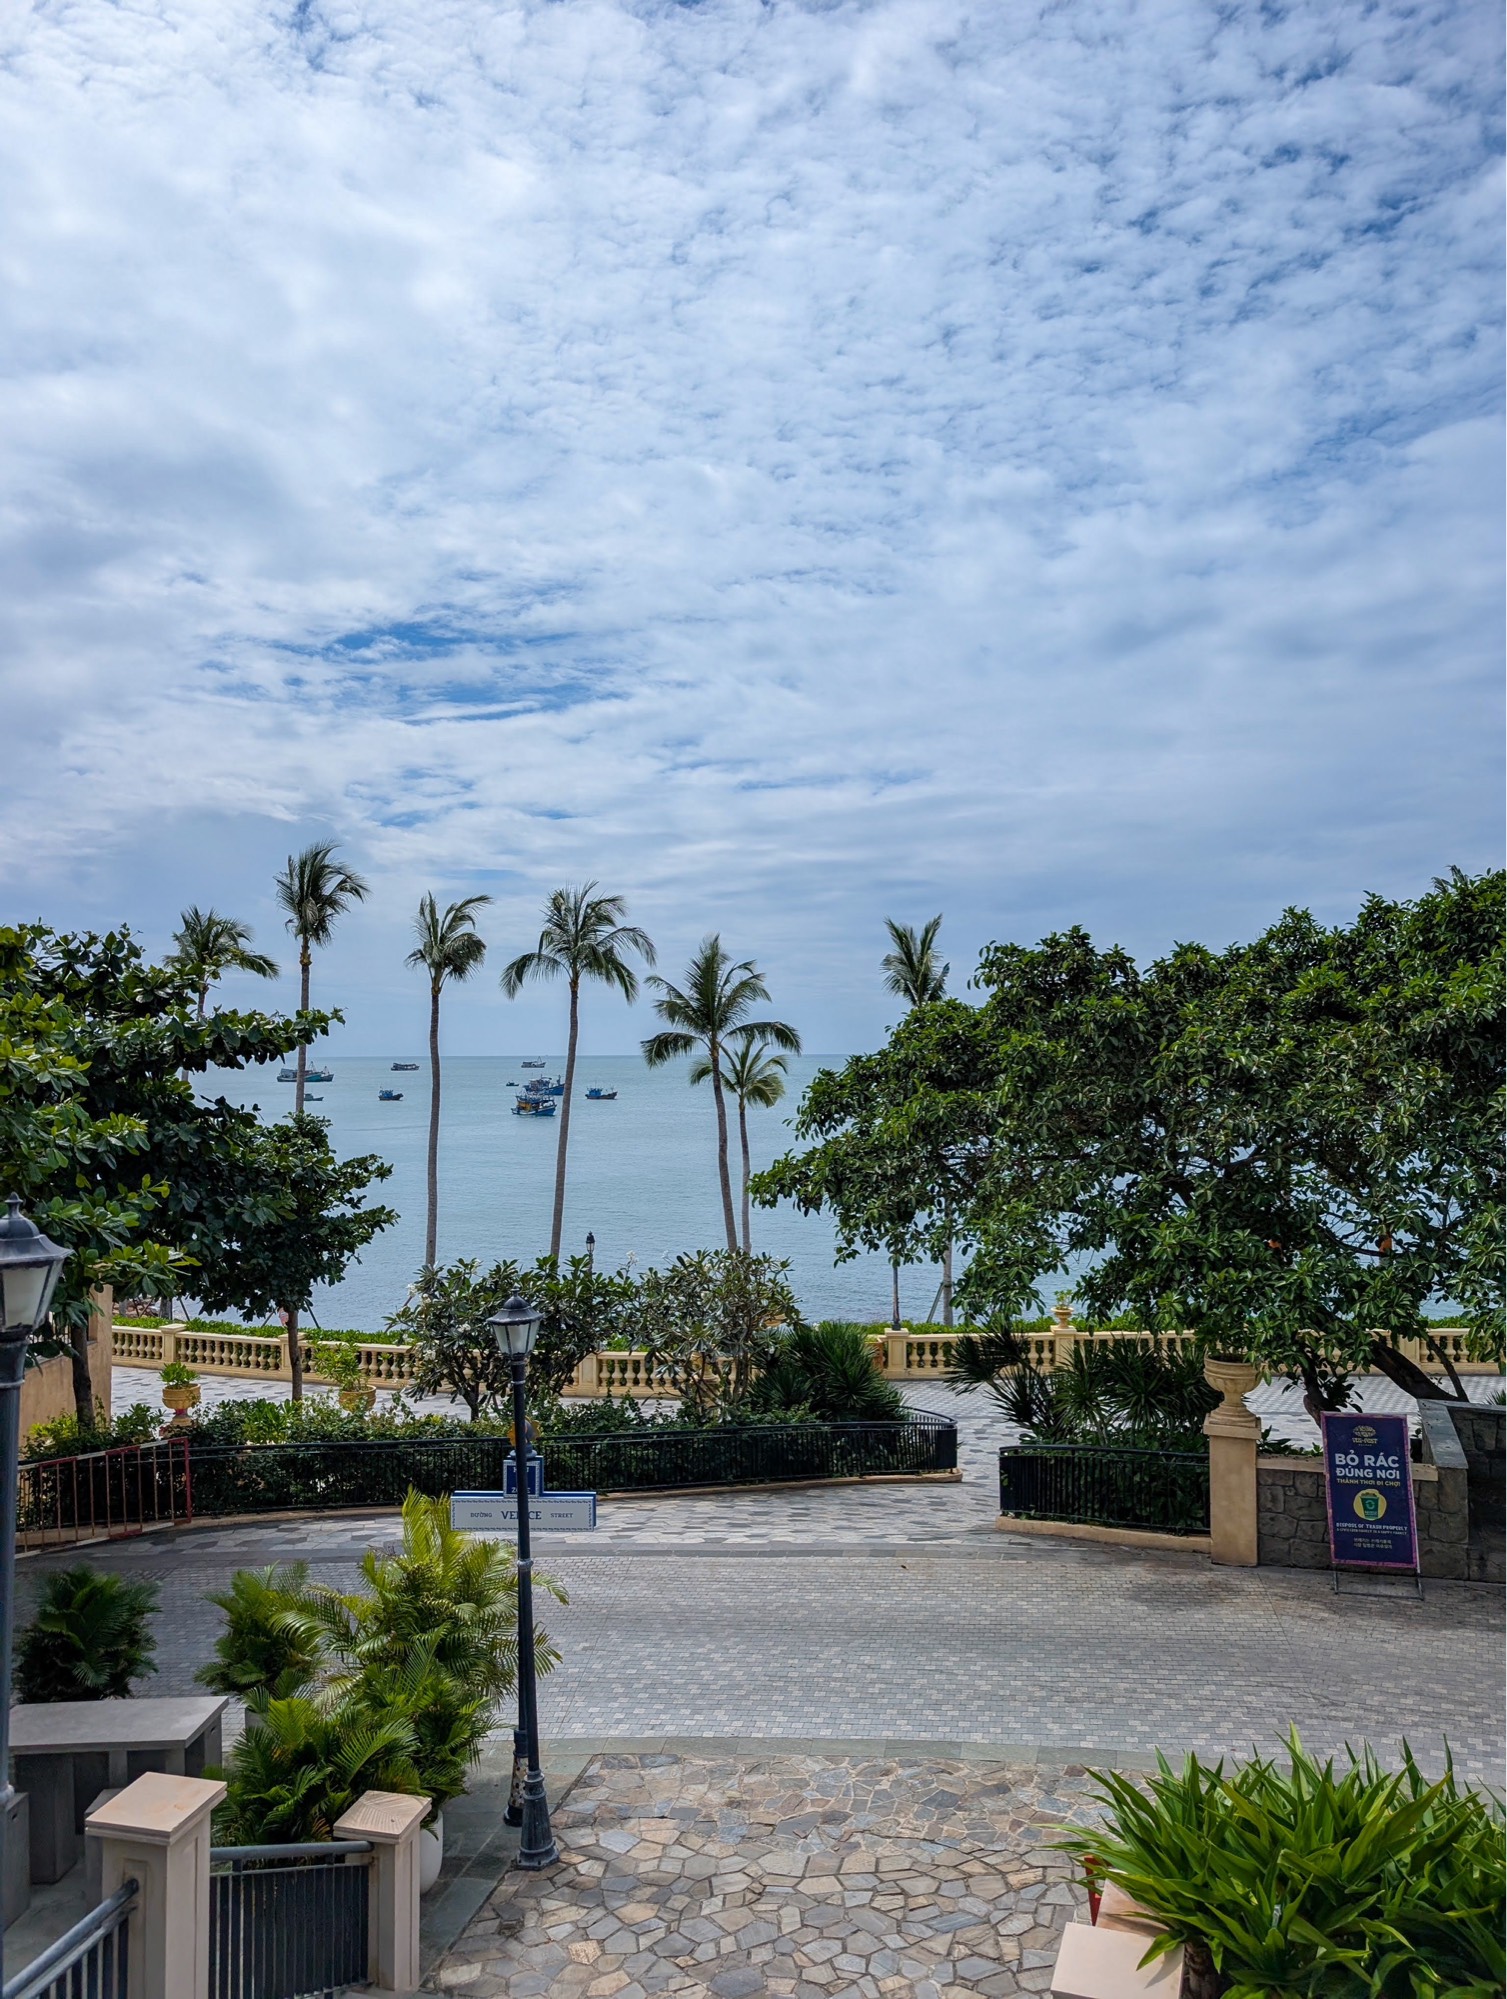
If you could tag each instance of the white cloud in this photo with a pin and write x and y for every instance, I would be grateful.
(798, 463)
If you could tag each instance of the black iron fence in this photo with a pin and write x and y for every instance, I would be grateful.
(86, 1962)
(1167, 1491)
(287, 1922)
(102, 1494)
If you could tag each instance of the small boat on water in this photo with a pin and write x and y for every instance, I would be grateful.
(319, 1076)
(312, 1100)
(405, 1065)
(555, 1089)
(534, 1106)
(388, 1096)
(534, 1062)
(602, 1096)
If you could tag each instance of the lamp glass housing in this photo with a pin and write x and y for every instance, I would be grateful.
(29, 1268)
(515, 1327)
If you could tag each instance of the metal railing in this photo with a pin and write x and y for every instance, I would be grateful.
(1114, 1486)
(103, 1495)
(286, 1922)
(86, 1962)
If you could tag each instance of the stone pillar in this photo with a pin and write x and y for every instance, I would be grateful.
(391, 1822)
(1063, 1336)
(1234, 1436)
(894, 1354)
(157, 1832)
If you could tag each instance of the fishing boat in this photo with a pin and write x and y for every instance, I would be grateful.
(388, 1096)
(529, 1105)
(534, 1062)
(287, 1075)
(405, 1065)
(319, 1076)
(602, 1096)
(556, 1088)
(312, 1100)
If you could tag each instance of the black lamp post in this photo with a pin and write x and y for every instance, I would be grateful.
(29, 1266)
(591, 1250)
(516, 1327)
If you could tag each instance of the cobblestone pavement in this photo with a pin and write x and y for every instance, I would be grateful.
(800, 1877)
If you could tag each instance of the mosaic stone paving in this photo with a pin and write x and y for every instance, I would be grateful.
(800, 1877)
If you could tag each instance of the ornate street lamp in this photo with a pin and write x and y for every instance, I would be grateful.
(515, 1328)
(29, 1267)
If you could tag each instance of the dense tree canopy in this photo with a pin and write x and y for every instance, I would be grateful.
(1286, 1144)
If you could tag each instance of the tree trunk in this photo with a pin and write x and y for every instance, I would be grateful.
(1200, 1979)
(895, 1292)
(432, 1218)
(303, 1046)
(83, 1387)
(557, 1224)
(743, 1141)
(295, 1353)
(1410, 1379)
(203, 996)
(947, 1279)
(729, 1219)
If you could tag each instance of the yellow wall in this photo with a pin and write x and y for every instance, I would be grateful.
(47, 1389)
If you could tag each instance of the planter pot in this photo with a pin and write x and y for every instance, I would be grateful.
(431, 1852)
(354, 1399)
(1234, 1379)
(182, 1399)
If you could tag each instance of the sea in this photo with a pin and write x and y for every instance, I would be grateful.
(642, 1176)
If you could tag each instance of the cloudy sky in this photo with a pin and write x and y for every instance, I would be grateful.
(797, 463)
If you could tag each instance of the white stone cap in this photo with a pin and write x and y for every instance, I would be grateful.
(382, 1816)
(157, 1808)
(1106, 1964)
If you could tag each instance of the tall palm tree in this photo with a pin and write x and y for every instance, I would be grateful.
(210, 945)
(315, 889)
(584, 937)
(913, 971)
(710, 1012)
(754, 1076)
(448, 948)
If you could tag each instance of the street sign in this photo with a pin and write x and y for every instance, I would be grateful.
(533, 1466)
(497, 1513)
(1368, 1483)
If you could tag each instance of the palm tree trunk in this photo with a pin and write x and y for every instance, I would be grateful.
(947, 1279)
(728, 1217)
(203, 996)
(895, 1292)
(432, 1219)
(303, 1046)
(743, 1140)
(557, 1225)
(295, 1353)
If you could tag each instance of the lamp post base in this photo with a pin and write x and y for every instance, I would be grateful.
(514, 1813)
(536, 1845)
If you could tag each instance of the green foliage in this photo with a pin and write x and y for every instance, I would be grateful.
(175, 1375)
(89, 1639)
(67, 1437)
(271, 1641)
(303, 1762)
(831, 1372)
(713, 1322)
(1285, 1144)
(1313, 1880)
(1111, 1392)
(338, 1361)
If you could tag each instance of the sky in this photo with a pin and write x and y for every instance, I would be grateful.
(796, 464)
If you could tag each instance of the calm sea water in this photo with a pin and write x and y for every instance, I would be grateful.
(643, 1177)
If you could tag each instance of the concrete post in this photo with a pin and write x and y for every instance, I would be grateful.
(894, 1354)
(1062, 1336)
(1234, 1436)
(391, 1822)
(157, 1831)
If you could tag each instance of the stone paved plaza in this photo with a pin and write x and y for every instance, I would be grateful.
(805, 1876)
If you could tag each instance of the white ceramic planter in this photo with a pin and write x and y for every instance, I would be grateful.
(431, 1853)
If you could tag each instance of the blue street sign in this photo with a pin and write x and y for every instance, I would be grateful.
(533, 1466)
(1368, 1483)
(497, 1513)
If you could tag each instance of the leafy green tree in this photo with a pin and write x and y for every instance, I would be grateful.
(712, 1322)
(754, 1076)
(446, 1313)
(320, 1224)
(1287, 1144)
(316, 890)
(711, 1013)
(448, 948)
(912, 968)
(209, 945)
(101, 1130)
(584, 937)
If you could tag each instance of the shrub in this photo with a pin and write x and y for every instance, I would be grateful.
(830, 1372)
(66, 1437)
(1117, 1392)
(1292, 1883)
(176, 1375)
(89, 1639)
(713, 1322)
(338, 1361)
(271, 1642)
(302, 1762)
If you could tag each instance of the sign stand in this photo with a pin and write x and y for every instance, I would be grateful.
(1368, 1491)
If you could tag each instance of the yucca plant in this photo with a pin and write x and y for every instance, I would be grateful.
(89, 1640)
(829, 1370)
(303, 1762)
(271, 1642)
(1311, 1882)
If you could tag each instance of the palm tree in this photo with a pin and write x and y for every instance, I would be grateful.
(912, 971)
(314, 888)
(711, 1012)
(584, 937)
(210, 944)
(448, 948)
(755, 1077)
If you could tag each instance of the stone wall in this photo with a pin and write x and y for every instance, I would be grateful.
(1482, 1431)
(1293, 1526)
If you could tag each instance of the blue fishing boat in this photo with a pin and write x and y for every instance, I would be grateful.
(556, 1088)
(533, 1062)
(602, 1096)
(389, 1096)
(319, 1076)
(405, 1065)
(528, 1105)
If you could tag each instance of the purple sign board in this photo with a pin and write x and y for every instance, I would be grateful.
(1368, 1483)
